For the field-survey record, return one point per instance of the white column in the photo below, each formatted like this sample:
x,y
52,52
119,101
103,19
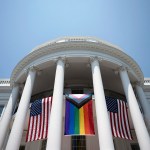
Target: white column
x,y
144,103
55,121
18,125
4,124
138,122
103,123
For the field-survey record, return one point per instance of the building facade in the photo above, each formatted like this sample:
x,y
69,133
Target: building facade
x,y
75,65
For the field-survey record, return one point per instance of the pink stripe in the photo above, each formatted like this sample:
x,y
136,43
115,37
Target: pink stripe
x,y
78,98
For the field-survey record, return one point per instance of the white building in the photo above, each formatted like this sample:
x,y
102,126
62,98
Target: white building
x,y
75,65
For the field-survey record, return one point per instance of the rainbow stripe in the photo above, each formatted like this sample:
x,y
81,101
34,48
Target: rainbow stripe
x,y
79,121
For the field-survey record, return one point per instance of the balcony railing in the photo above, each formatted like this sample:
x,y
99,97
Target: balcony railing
x,y
146,81
4,82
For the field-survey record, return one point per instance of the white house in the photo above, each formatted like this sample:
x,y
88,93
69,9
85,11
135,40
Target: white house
x,y
75,65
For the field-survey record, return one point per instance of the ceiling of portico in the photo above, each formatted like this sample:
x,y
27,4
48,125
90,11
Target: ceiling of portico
x,y
78,73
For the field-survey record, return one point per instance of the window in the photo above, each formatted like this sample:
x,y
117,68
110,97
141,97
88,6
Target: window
x,y
135,147
1,109
22,147
78,143
44,144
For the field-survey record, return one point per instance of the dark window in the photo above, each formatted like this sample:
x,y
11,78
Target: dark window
x,y
44,144
1,109
77,91
22,147
135,147
78,143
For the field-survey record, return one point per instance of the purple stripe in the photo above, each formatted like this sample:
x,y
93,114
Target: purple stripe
x,y
72,119
67,118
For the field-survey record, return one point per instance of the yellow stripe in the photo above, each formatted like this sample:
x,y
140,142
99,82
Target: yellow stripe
x,y
81,112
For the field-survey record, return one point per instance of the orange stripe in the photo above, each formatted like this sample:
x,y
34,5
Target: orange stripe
x,y
86,119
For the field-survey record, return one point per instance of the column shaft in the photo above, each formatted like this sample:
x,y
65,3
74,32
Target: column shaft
x,y
55,121
139,125
103,123
4,124
145,104
18,125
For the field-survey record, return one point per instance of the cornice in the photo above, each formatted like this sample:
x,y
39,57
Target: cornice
x,y
77,43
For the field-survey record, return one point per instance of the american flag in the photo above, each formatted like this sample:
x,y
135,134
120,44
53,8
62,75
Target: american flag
x,y
38,121
118,114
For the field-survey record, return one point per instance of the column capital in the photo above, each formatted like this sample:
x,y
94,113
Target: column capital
x,y
32,68
93,58
61,58
138,83
16,84
121,68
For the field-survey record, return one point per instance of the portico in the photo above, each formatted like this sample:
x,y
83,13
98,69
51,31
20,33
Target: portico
x,y
71,62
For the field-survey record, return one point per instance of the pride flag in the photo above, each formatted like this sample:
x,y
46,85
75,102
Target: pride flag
x,y
79,120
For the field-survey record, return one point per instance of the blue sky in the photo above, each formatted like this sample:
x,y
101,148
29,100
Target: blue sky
x,y
26,24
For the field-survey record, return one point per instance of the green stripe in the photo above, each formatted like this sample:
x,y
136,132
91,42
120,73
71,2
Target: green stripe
x,y
76,131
